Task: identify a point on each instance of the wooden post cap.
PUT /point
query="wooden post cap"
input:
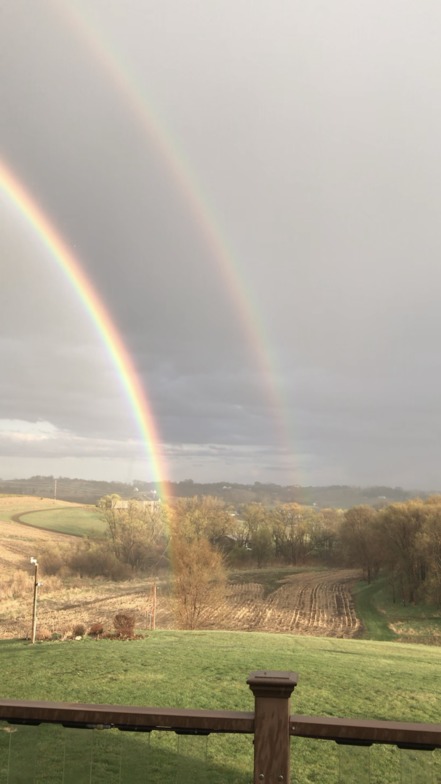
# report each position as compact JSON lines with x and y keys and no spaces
{"x":272,"y":683}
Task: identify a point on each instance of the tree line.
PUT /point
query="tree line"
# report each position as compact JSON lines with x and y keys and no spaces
{"x":198,"y":540}
{"x":89,"y":491}
{"x":401,"y":540}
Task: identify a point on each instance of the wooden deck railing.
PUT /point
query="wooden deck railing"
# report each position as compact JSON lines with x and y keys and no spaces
{"x":270,"y":723}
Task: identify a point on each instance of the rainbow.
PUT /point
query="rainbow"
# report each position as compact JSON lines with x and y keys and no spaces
{"x":197,"y":203}
{"x":71,"y":267}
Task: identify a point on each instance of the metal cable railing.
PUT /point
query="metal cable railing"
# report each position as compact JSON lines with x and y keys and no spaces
{"x":46,"y":742}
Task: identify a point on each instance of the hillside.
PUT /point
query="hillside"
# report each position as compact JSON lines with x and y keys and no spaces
{"x":317,"y":602}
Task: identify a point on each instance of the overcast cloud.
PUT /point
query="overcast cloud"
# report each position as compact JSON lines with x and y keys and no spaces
{"x":305,"y":353}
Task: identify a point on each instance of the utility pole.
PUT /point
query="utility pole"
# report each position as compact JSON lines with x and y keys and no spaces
{"x":55,"y":488}
{"x":34,"y":603}
{"x":153,"y":620}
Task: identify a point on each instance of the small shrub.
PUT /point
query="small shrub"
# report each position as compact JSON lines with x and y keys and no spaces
{"x":124,"y":624}
{"x":86,"y":559}
{"x":96,"y":560}
{"x":79,"y":630}
{"x":51,"y":560}
{"x":56,"y":636}
{"x":96,"y":630}
{"x":43,"y":633}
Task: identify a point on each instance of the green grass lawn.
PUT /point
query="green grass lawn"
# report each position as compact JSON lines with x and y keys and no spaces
{"x":62,"y":516}
{"x":374,"y":620}
{"x":353,"y":678}
{"x":413,"y":622}
{"x":76,"y":520}
{"x":419,"y":623}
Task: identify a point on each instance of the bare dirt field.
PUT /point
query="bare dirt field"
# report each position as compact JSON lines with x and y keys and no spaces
{"x":314,"y":602}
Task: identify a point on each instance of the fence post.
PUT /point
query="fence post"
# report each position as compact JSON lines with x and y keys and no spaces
{"x":272,"y":691}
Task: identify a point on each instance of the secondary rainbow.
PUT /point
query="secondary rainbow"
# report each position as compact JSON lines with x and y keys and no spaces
{"x":16,"y":193}
{"x":197,"y":202}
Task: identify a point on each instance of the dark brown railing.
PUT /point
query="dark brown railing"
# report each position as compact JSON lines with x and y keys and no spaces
{"x":270,"y":723}
{"x":424,"y":737}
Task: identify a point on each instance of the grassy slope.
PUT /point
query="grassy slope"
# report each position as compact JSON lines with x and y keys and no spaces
{"x":78,"y":521}
{"x":384,"y":619}
{"x":412,"y":622}
{"x":61,"y":516}
{"x":375,"y":622}
{"x":209,"y":670}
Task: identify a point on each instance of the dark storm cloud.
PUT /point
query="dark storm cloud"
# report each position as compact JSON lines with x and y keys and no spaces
{"x":311,"y":134}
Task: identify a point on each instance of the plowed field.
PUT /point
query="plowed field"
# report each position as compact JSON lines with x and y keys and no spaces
{"x":314,"y":602}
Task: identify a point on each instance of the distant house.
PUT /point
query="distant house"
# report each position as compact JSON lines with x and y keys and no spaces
{"x":120,"y":504}
{"x":227,"y":542}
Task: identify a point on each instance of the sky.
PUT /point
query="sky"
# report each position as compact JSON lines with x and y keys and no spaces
{"x":252,"y":190}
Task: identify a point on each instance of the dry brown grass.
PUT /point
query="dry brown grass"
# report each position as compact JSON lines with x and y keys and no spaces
{"x":20,"y":504}
{"x":62,"y":602}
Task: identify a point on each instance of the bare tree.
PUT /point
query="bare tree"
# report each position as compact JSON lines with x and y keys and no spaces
{"x":198,"y":579}
{"x":198,"y":568}
{"x":360,"y":540}
{"x":137,"y":531}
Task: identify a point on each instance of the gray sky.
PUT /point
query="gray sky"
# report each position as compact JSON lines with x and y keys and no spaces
{"x":306,"y":350}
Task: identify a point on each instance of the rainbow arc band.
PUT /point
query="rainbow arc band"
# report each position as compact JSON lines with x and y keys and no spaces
{"x":47,"y":234}
{"x":184,"y":178}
